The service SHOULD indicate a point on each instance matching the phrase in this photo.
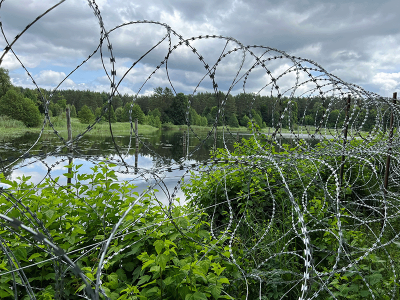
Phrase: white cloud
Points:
(53, 78)
(387, 82)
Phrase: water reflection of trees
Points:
(164, 147)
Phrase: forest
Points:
(165, 107)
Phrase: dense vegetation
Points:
(239, 233)
(156, 254)
(261, 203)
(163, 106)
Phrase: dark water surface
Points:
(156, 151)
(144, 165)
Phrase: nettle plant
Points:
(156, 253)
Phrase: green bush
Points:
(156, 253)
(233, 121)
(136, 113)
(85, 115)
(257, 199)
(14, 105)
(73, 112)
(119, 114)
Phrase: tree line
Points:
(163, 107)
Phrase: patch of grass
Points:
(7, 122)
(100, 129)
(169, 126)
(13, 128)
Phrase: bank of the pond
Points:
(100, 129)
(12, 129)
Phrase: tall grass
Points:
(100, 129)
(7, 122)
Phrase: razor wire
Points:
(303, 245)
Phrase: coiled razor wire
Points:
(348, 160)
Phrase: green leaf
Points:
(153, 291)
(216, 267)
(144, 279)
(155, 269)
(215, 291)
(162, 260)
(80, 288)
(168, 242)
(79, 230)
(173, 236)
(159, 244)
(188, 296)
(49, 213)
(3, 265)
(33, 256)
(168, 280)
(147, 263)
(223, 280)
(375, 278)
(20, 253)
(5, 291)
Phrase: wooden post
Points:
(215, 139)
(136, 146)
(346, 124)
(67, 112)
(386, 180)
(184, 143)
(237, 137)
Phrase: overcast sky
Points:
(358, 41)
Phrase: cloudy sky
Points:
(356, 40)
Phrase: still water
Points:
(144, 165)
(156, 162)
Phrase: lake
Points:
(157, 152)
(157, 159)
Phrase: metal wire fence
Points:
(317, 219)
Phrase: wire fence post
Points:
(184, 143)
(346, 125)
(136, 146)
(215, 138)
(69, 139)
(386, 179)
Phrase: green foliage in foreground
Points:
(148, 259)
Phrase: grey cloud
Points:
(348, 38)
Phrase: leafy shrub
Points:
(14, 105)
(85, 115)
(136, 113)
(156, 253)
(73, 111)
(246, 192)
